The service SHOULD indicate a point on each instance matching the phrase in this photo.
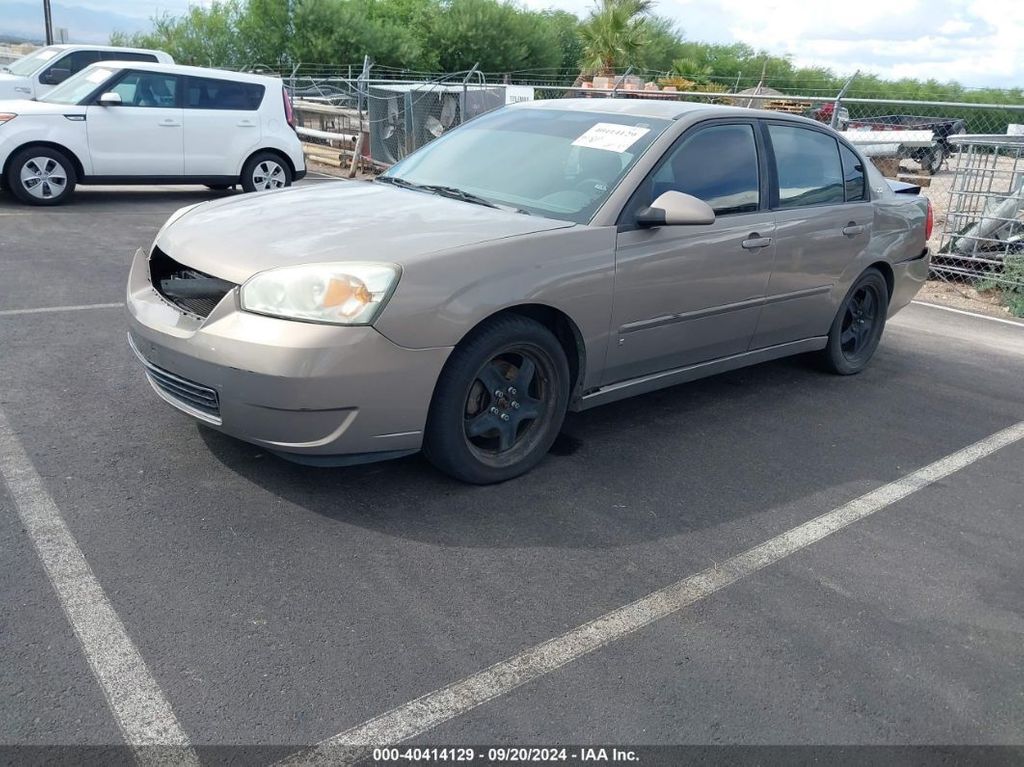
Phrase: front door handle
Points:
(169, 124)
(755, 242)
(852, 229)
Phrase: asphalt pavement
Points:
(278, 605)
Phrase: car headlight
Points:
(350, 293)
(6, 117)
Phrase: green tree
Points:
(265, 29)
(567, 31)
(614, 35)
(663, 45)
(203, 36)
(499, 36)
(333, 33)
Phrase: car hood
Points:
(29, 108)
(234, 239)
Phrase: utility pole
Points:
(48, 19)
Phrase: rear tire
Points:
(499, 402)
(41, 176)
(858, 325)
(264, 171)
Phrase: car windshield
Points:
(555, 163)
(78, 86)
(29, 64)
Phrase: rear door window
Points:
(209, 93)
(808, 167)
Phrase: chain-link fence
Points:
(963, 155)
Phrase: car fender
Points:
(58, 130)
(293, 150)
(441, 297)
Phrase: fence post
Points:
(837, 105)
(619, 80)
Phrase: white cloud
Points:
(977, 42)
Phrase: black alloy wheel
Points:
(499, 402)
(857, 328)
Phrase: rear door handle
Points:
(754, 243)
(852, 229)
(169, 124)
(246, 124)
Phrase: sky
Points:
(976, 42)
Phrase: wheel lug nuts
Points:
(512, 390)
(494, 411)
(515, 405)
(504, 416)
(499, 393)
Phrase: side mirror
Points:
(676, 209)
(54, 76)
(110, 99)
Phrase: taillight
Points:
(929, 222)
(289, 113)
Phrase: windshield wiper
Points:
(5, 69)
(396, 181)
(448, 191)
(458, 194)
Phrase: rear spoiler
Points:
(901, 187)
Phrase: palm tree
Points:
(613, 35)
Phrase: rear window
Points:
(125, 56)
(208, 93)
(808, 165)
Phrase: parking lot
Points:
(281, 606)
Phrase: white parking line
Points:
(140, 708)
(49, 309)
(1017, 323)
(413, 718)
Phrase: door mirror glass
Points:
(54, 76)
(110, 99)
(676, 209)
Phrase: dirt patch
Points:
(963, 297)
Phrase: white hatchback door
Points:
(143, 136)
(222, 125)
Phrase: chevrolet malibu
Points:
(547, 256)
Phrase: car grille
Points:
(190, 290)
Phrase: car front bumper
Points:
(312, 392)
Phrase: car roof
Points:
(181, 69)
(658, 108)
(88, 47)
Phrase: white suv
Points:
(35, 74)
(135, 123)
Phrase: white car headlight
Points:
(350, 293)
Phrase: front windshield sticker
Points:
(611, 137)
(98, 75)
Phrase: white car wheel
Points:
(269, 174)
(41, 176)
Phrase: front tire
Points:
(858, 325)
(264, 171)
(499, 402)
(41, 176)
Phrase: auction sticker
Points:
(611, 137)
